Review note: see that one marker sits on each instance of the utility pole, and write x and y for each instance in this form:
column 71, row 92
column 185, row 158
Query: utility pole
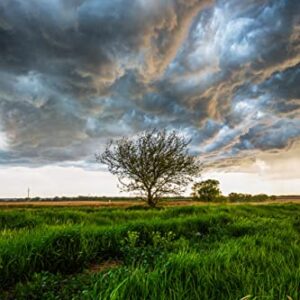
column 28, row 193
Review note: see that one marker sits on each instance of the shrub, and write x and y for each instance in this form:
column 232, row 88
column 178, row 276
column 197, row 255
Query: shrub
column 207, row 190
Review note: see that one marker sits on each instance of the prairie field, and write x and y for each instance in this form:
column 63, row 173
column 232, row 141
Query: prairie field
column 184, row 252
column 128, row 202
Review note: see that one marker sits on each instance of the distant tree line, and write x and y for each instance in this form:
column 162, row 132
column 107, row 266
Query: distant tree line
column 209, row 191
column 239, row 197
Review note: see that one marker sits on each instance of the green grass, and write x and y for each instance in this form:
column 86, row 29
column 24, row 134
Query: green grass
column 211, row 252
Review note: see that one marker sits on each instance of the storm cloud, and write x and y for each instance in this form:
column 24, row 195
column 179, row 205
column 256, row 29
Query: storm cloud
column 74, row 73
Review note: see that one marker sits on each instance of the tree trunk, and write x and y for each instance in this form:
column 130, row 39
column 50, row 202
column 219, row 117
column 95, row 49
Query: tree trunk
column 151, row 202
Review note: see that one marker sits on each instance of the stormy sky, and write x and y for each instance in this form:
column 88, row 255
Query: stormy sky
column 75, row 73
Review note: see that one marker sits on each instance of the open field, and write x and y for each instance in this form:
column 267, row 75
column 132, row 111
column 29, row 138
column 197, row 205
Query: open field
column 188, row 252
column 70, row 203
column 128, row 203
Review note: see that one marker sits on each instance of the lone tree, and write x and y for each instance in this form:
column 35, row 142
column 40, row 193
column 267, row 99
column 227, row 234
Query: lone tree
column 207, row 190
column 154, row 164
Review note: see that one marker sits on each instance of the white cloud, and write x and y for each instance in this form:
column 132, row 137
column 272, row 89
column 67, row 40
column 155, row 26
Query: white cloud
column 3, row 141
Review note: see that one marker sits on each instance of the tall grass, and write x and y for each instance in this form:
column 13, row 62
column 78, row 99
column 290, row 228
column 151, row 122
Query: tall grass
column 17, row 218
column 69, row 248
column 176, row 253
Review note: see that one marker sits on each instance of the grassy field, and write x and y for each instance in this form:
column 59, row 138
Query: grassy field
column 119, row 202
column 191, row 252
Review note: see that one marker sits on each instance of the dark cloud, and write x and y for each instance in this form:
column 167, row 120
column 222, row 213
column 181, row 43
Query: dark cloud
column 74, row 73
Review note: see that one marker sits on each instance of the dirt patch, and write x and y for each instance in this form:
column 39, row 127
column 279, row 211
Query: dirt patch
column 104, row 266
